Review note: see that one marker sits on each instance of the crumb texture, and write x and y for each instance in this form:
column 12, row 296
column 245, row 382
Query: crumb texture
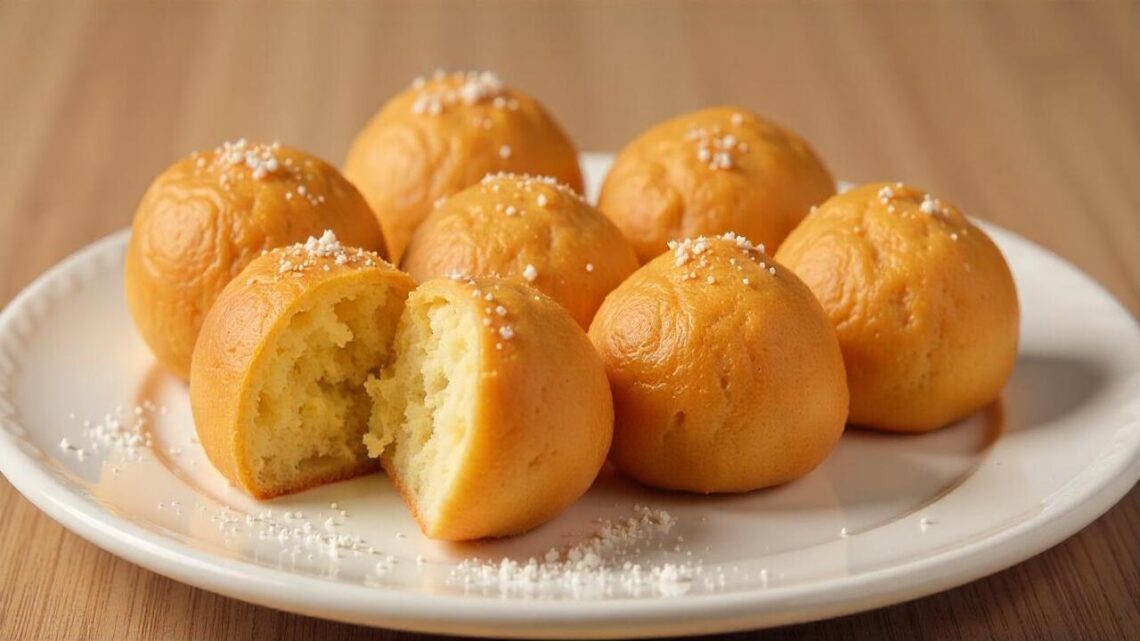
column 424, row 402
column 311, row 406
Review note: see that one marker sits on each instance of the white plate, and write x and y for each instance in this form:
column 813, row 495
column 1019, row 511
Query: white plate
column 885, row 519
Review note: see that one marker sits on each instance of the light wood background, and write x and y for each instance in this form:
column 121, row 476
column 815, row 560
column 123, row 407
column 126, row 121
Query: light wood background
column 1025, row 114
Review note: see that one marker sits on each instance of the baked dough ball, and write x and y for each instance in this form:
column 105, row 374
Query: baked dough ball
column 709, row 172
column 528, row 229
column 277, row 383
column 207, row 216
column 445, row 134
column 726, row 374
column 922, row 300
column 496, row 414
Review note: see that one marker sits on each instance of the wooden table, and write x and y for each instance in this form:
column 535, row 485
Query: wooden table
column 1027, row 115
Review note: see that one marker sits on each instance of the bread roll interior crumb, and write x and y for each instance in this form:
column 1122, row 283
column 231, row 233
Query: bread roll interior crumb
column 311, row 405
column 423, row 403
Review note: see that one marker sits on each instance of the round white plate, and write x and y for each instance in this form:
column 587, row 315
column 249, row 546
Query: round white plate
column 885, row 519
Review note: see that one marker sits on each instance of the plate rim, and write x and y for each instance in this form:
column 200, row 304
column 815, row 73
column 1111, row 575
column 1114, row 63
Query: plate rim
column 1101, row 485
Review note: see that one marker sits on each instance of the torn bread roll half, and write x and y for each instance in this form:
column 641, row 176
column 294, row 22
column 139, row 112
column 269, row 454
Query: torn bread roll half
column 278, row 372
column 496, row 414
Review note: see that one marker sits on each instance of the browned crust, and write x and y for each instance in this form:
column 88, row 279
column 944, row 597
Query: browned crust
column 923, row 301
column 246, row 318
column 659, row 189
column 403, row 161
column 539, row 434
column 363, row 467
column 720, row 385
column 191, row 236
column 577, row 253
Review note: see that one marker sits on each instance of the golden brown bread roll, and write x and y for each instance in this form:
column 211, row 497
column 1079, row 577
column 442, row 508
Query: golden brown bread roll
column 923, row 302
column 533, row 230
column 726, row 374
column 709, row 172
column 444, row 134
column 496, row 414
column 277, row 383
column 208, row 215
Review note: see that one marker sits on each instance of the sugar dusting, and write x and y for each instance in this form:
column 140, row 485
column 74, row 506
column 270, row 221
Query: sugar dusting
column 297, row 533
column 639, row 555
column 234, row 161
column 496, row 316
column 607, row 563
column 495, row 182
column 125, row 431
column 692, row 255
column 716, row 148
column 896, row 195
column 296, row 259
column 443, row 91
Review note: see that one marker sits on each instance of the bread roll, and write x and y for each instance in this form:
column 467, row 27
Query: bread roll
column 709, row 172
column 277, row 383
column 208, row 215
column 532, row 230
column 444, row 134
column 726, row 374
column 923, row 302
column 496, row 414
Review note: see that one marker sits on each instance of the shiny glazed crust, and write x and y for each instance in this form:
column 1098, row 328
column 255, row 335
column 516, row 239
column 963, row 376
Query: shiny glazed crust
column 194, row 231
column 726, row 374
column 923, row 302
column 531, row 231
column 709, row 172
column 408, row 157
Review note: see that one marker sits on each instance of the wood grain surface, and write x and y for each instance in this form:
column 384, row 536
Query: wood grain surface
column 1025, row 114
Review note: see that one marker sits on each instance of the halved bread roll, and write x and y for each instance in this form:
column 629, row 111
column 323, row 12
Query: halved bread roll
column 277, row 377
column 496, row 413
